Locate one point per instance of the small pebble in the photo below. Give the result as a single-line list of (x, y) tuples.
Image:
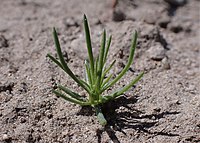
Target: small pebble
[(5, 137), (157, 52), (153, 117), (165, 63)]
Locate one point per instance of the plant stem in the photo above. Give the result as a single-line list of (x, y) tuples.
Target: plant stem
[(100, 116)]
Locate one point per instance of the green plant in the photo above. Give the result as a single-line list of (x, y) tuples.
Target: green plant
[(96, 81)]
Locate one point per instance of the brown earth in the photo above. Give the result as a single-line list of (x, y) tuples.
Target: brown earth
[(163, 107)]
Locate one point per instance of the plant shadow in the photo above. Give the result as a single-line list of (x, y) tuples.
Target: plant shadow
[(120, 116)]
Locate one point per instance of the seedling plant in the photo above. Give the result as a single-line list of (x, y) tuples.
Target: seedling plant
[(98, 77)]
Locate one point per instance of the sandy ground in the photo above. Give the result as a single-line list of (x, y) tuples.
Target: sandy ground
[(163, 107)]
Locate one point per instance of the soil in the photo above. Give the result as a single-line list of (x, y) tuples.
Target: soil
[(163, 107)]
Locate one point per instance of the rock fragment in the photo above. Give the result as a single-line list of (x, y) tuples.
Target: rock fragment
[(156, 52), (166, 63)]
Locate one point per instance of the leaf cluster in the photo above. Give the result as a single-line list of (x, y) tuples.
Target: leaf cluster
[(97, 78)]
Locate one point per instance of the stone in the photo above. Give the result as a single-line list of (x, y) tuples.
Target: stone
[(156, 52), (6, 138), (165, 63)]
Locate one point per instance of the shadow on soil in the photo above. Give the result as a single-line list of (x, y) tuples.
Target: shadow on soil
[(126, 119)]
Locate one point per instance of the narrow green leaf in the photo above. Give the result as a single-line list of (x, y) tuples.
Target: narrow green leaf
[(119, 92), (96, 70), (55, 61), (102, 51), (130, 60), (85, 84), (58, 49), (89, 45), (107, 70), (101, 59), (64, 64), (71, 93), (88, 74), (107, 49), (127, 87), (70, 99), (105, 82)]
